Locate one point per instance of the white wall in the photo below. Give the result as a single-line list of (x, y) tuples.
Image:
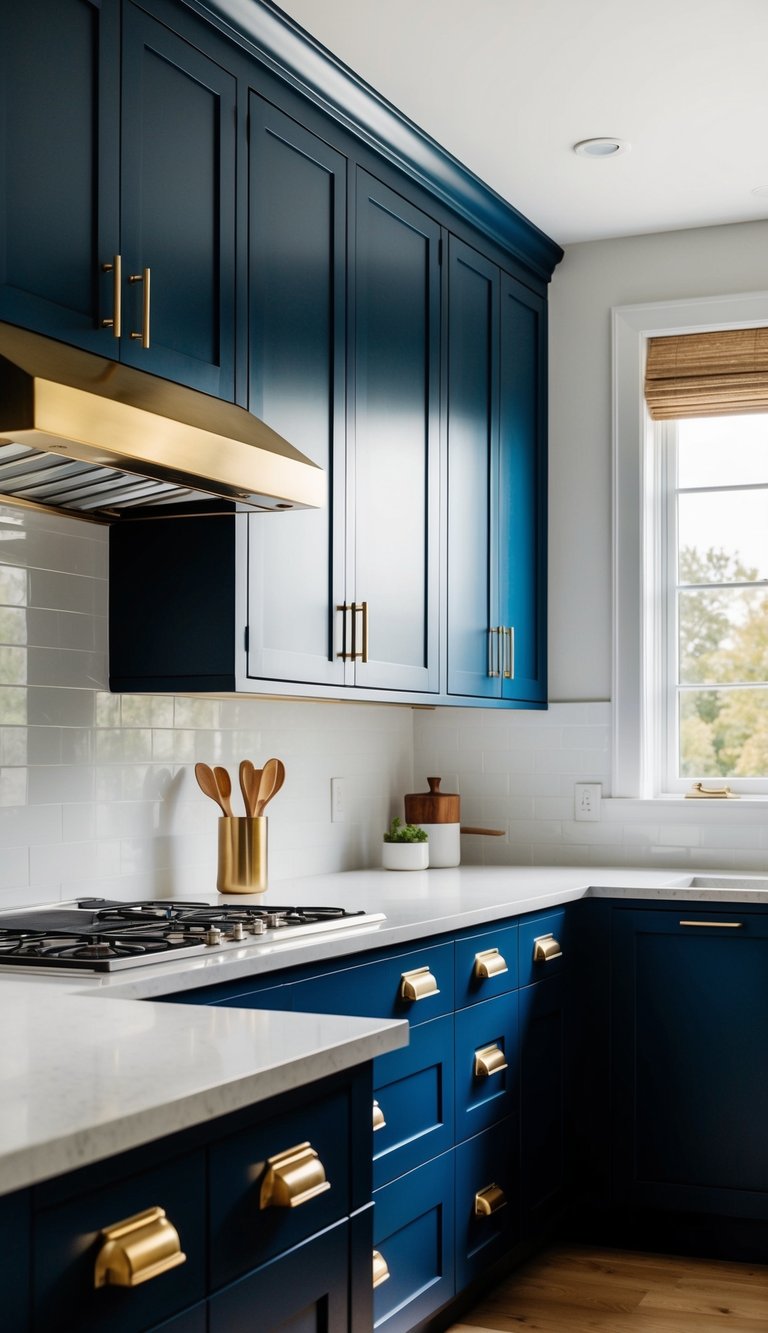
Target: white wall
[(97, 791), (590, 280)]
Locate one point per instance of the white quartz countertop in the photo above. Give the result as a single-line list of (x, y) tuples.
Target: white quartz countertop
[(82, 1078)]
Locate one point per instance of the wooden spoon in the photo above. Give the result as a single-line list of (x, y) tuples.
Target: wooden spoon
[(206, 781), (224, 784), (249, 786), (272, 779)]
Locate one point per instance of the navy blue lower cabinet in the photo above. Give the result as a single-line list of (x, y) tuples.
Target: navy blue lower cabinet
[(191, 1321), (14, 1248), (487, 1198), (487, 1079), (690, 1074), (416, 985), (303, 1291), (414, 1091), (542, 1100), (67, 1241), (413, 1234)]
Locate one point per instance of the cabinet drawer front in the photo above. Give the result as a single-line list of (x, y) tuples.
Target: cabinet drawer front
[(242, 1233), (414, 1089), (67, 1242), (479, 974), (305, 1289), (191, 1321), (374, 990), (487, 1198), (486, 1038), (543, 945), (413, 1232)]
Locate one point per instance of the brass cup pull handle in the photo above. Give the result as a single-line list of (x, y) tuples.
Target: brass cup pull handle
[(489, 963), (489, 1060), (418, 984), (116, 322), (292, 1178), (546, 948), (380, 1269), (143, 332), (378, 1117), (489, 1200), (137, 1249)]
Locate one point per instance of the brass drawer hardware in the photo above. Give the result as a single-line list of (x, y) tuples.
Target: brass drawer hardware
[(116, 322), (363, 608), (418, 984), (380, 1269), (143, 332), (489, 963), (509, 652), (718, 925), (489, 1201), (378, 1116), (489, 1060), (353, 608), (292, 1178), (137, 1249), (546, 948)]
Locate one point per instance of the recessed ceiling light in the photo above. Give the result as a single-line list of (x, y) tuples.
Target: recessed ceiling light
[(601, 147), (761, 190)]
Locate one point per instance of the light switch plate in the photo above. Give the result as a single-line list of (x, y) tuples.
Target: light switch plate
[(586, 800)]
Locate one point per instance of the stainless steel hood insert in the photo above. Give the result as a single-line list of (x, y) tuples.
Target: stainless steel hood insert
[(84, 434)]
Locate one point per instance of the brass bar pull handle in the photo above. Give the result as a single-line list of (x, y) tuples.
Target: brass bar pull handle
[(509, 652), (380, 1269), (489, 963), (489, 1060), (292, 1178), (418, 984), (546, 948), (143, 333), (116, 322), (137, 1249), (493, 653), (344, 655), (489, 1200), (378, 1116), (364, 609), (716, 925)]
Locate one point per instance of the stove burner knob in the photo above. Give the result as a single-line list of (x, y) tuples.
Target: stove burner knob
[(274, 919), (237, 932), (213, 936), (257, 926)]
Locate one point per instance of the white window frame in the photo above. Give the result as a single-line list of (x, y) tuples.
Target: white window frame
[(639, 697)]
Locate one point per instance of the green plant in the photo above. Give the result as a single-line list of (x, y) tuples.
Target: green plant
[(400, 832)]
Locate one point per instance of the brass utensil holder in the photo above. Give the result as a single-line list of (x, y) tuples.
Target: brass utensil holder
[(242, 855)]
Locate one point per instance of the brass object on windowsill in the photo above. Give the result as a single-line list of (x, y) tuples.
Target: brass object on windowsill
[(137, 1249), (292, 1178), (699, 792)]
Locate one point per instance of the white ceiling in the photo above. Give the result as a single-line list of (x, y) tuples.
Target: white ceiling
[(508, 86)]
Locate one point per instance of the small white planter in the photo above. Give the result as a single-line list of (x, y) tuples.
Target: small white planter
[(405, 855)]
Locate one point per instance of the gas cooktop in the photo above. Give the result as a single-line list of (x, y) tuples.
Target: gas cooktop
[(100, 935)]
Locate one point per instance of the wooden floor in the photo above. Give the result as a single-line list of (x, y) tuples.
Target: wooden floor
[(582, 1290)]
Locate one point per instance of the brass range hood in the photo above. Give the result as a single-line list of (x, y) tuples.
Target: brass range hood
[(83, 435)]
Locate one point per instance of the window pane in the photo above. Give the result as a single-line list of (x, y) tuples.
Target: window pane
[(723, 733), (723, 635), (723, 451), (723, 536)]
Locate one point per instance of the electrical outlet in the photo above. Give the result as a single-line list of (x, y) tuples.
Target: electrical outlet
[(586, 800), (338, 801)]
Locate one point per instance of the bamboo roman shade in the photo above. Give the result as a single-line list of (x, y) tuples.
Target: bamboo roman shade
[(707, 374)]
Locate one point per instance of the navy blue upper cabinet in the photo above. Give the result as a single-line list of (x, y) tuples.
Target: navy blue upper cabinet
[(690, 1014), (296, 381), (178, 208), (394, 420), (496, 483), (59, 137)]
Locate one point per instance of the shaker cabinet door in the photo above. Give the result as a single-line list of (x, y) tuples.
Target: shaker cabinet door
[(296, 381), (393, 488), (178, 208), (59, 107), (473, 460)]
